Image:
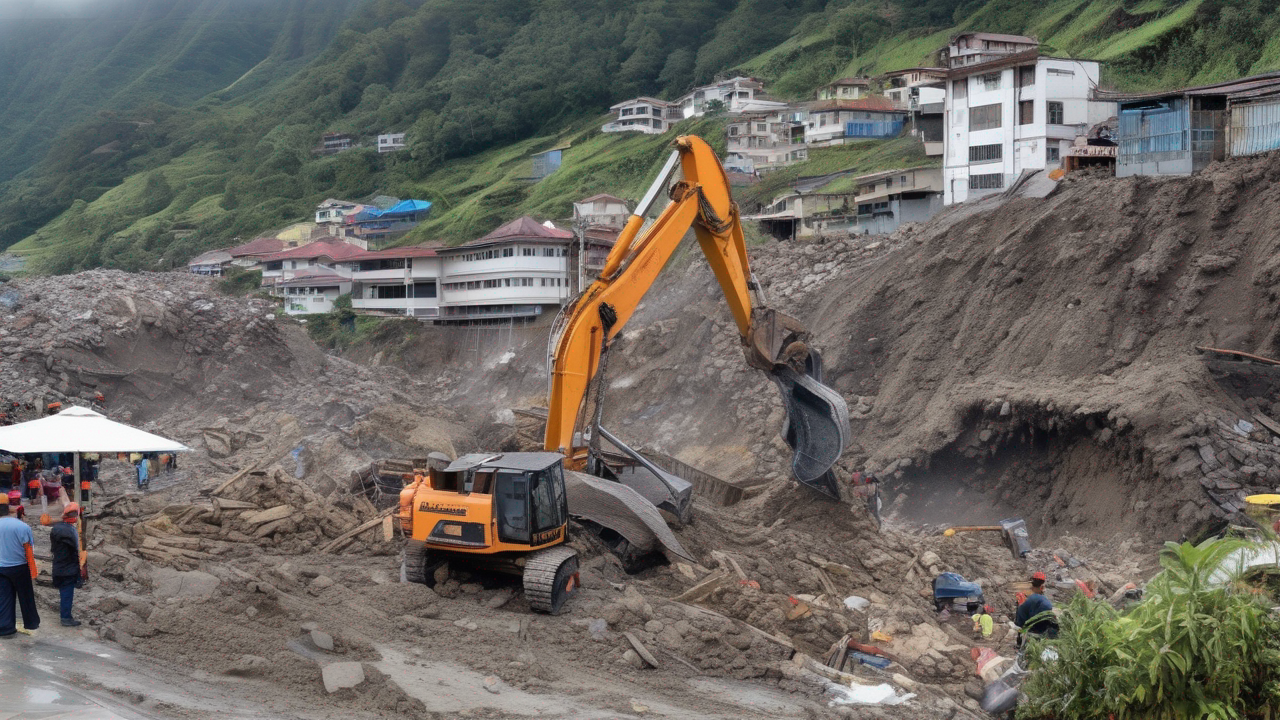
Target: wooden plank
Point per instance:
(1237, 353)
(348, 535)
(1267, 422)
(641, 650)
(703, 589)
(388, 529)
(233, 479)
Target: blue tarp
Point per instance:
(404, 208)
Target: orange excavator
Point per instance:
(509, 512)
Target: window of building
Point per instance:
(1062, 73)
(424, 289)
(762, 127)
(508, 252)
(657, 124)
(1052, 153)
(994, 181)
(986, 153)
(902, 180)
(1055, 113)
(387, 264)
(528, 252)
(626, 112)
(960, 89)
(985, 117)
(1027, 76)
(389, 292)
(548, 252)
(733, 131)
(526, 282)
(990, 81)
(1026, 112)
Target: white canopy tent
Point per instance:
(81, 430)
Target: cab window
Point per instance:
(546, 511)
(512, 495)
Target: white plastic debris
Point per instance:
(883, 694)
(853, 602)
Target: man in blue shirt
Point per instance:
(1035, 604)
(16, 542)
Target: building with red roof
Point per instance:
(517, 273)
(329, 252)
(397, 281)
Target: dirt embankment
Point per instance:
(1038, 355)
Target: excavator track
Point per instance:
(550, 577)
(419, 566)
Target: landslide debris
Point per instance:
(1037, 354)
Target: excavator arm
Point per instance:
(817, 426)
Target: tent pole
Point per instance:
(80, 521)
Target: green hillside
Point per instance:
(192, 123)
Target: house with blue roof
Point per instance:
(374, 225)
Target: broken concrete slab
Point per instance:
(169, 583)
(341, 675)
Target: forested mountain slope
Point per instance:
(188, 138)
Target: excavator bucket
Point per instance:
(817, 422)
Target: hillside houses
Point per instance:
(852, 88)
(643, 114)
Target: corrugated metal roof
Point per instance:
(1265, 83)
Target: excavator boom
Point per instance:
(817, 417)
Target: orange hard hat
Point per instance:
(71, 509)
(4, 499)
(1037, 576)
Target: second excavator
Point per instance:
(509, 512)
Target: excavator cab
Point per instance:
(505, 513)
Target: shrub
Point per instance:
(1196, 647)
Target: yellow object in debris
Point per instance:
(1264, 499)
(1057, 174)
(878, 636)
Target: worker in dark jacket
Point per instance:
(65, 547)
(1035, 604)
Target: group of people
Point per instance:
(18, 568)
(1033, 617)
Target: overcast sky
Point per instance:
(44, 9)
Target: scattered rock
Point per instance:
(322, 640)
(340, 675)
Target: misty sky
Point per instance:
(46, 9)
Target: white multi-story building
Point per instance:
(733, 94)
(601, 209)
(1015, 113)
(513, 274)
(312, 290)
(335, 212)
(910, 88)
(643, 114)
(850, 88)
(399, 281)
(767, 139)
(328, 253)
(975, 48)
(391, 142)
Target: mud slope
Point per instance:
(1039, 353)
